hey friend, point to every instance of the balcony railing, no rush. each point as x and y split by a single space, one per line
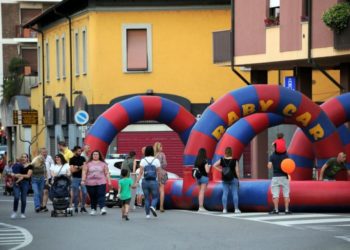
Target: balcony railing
25 33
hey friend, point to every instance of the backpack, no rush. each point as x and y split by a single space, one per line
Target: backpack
227 173
150 171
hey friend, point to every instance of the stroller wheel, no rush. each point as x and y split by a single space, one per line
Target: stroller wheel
53 213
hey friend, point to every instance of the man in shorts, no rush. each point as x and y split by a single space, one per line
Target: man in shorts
279 179
330 169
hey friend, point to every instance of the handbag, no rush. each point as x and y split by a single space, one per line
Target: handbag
196 174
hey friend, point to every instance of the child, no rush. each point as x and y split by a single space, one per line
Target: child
280 144
124 192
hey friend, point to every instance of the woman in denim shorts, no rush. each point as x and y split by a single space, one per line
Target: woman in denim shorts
202 164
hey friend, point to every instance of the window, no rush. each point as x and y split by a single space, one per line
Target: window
84 40
137 48
58 58
39 63
76 40
63 39
305 11
47 61
274 10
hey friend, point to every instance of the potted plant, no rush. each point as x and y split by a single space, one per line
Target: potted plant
272 21
337 18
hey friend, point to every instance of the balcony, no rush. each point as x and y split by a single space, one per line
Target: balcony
25 33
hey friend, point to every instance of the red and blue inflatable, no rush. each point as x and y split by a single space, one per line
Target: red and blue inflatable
234 120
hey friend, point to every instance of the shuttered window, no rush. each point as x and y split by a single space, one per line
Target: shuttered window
137 48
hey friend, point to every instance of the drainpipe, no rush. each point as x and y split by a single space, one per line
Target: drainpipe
232 36
70 62
42 64
310 60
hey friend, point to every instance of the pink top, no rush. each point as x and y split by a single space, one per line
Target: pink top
96 173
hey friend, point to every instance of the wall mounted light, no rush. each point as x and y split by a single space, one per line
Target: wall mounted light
77 92
60 95
47 97
149 92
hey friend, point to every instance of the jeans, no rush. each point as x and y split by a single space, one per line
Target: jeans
75 187
150 188
233 186
38 184
20 190
97 195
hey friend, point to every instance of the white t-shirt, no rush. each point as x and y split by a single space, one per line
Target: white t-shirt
49 163
149 159
60 170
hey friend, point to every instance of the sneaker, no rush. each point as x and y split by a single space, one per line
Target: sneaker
13 215
83 210
93 212
288 212
153 211
103 211
23 216
126 217
148 216
76 210
37 210
224 211
237 211
274 212
201 209
44 209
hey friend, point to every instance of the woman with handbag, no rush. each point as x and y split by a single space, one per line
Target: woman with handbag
230 178
201 163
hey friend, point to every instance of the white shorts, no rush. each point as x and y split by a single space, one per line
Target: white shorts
276 184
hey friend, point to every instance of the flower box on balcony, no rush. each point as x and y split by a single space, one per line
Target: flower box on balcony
272 21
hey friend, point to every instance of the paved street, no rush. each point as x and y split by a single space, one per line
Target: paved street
174 229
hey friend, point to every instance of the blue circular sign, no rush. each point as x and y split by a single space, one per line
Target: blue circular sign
81 117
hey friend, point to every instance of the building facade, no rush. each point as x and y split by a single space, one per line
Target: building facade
96 53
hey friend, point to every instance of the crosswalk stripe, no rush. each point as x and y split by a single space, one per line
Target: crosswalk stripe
297 216
319 221
19 236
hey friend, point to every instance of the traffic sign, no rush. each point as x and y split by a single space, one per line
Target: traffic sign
290 82
81 117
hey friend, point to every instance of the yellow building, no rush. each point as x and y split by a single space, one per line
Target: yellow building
93 53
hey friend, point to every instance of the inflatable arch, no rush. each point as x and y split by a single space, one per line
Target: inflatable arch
338 111
135 109
294 106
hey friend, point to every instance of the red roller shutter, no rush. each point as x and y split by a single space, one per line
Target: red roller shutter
172 146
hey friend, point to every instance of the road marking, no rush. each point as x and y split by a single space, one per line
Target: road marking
302 222
295 216
19 237
346 238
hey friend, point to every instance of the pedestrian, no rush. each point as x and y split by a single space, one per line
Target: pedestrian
22 172
139 192
279 179
201 163
65 151
330 169
130 165
48 163
280 144
39 176
163 176
124 192
7 178
230 179
149 169
76 168
95 176
86 152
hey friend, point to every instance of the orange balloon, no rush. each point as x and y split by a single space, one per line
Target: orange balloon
288 166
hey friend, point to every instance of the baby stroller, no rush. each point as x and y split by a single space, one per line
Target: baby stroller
112 199
60 196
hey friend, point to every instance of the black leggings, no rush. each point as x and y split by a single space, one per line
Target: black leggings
97 195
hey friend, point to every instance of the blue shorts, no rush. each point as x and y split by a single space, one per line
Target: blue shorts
203 180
